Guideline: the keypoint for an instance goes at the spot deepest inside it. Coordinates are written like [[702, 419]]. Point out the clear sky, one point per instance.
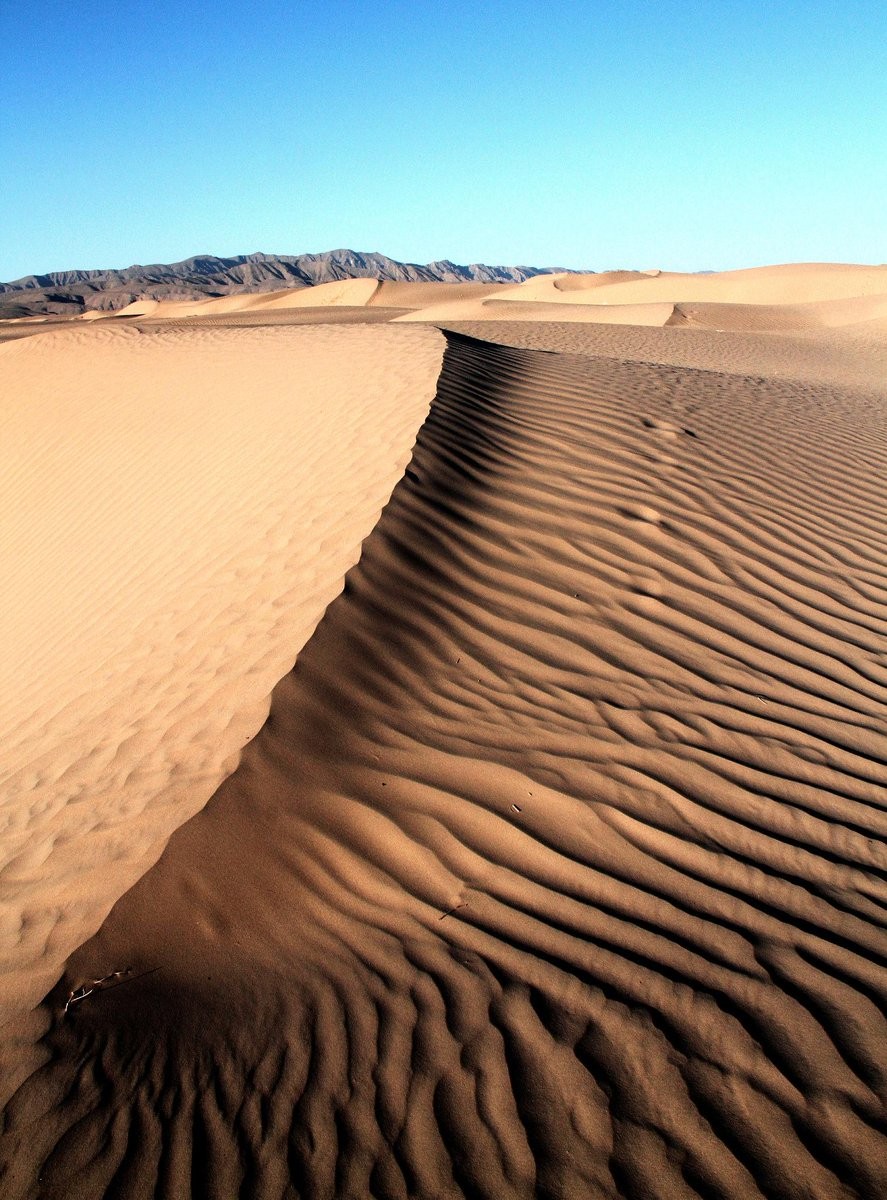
[[706, 134]]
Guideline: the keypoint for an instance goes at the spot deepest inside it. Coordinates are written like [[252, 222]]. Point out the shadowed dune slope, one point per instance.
[[557, 867], [854, 359]]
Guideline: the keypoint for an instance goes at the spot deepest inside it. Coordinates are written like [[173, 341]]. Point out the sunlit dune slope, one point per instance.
[[557, 869], [394, 294], [511, 309], [176, 510], [792, 283], [346, 291], [767, 299]]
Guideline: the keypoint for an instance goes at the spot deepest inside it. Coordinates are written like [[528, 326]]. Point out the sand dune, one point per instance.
[[175, 518], [557, 868], [350, 292], [420, 295], [794, 283], [511, 309], [779, 318], [768, 299], [581, 283], [853, 357], [346, 291]]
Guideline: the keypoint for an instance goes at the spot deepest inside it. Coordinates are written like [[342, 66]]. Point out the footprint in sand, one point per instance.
[[649, 586], [667, 429]]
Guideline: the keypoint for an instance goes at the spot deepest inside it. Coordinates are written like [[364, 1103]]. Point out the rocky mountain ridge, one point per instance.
[[205, 276]]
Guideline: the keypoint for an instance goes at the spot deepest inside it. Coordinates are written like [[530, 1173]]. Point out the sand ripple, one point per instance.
[[557, 869]]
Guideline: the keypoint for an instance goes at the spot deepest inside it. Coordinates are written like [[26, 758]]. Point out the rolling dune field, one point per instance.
[[557, 867]]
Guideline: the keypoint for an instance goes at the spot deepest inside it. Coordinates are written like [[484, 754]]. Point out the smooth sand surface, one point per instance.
[[557, 868], [421, 295], [771, 299], [177, 511], [348, 293], [792, 283], [511, 308]]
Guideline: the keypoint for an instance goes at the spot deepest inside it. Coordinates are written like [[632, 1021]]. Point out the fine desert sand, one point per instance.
[[445, 741]]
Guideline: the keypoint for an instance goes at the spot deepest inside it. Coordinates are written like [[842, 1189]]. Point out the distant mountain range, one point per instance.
[[67, 293]]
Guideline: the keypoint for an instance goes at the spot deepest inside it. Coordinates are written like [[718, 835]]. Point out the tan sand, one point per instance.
[[853, 356], [353, 292], [350, 292], [420, 295], [511, 309], [801, 283], [347, 291], [775, 299], [175, 517], [558, 867]]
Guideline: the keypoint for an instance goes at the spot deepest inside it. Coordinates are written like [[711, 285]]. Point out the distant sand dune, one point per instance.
[[557, 869], [581, 283], [420, 295], [780, 318], [511, 309], [347, 291], [853, 356], [768, 299], [794, 283]]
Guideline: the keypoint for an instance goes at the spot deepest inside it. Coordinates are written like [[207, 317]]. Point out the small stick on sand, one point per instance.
[[80, 993], [449, 911], [105, 984]]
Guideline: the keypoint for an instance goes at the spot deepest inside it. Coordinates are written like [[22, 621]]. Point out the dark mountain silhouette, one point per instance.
[[206, 276]]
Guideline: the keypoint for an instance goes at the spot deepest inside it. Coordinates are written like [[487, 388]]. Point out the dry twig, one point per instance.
[[86, 989]]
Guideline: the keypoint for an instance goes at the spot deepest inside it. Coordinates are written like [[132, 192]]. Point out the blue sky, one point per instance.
[[689, 136]]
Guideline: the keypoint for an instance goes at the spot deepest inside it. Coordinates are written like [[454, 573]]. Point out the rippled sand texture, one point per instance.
[[557, 867]]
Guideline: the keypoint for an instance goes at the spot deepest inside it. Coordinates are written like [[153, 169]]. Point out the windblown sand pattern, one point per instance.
[[557, 869]]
